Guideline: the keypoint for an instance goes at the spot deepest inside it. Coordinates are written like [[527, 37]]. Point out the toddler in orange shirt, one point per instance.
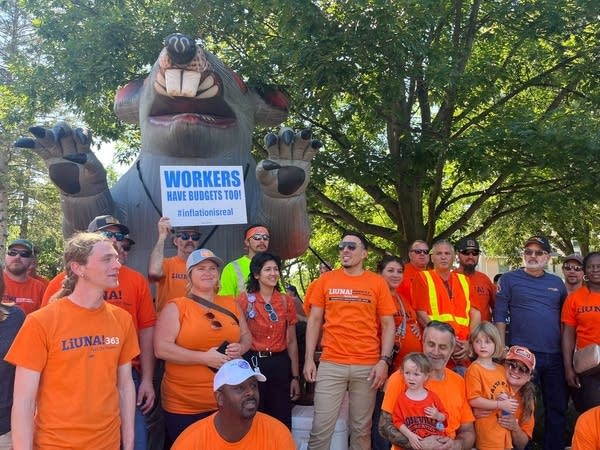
[[418, 412]]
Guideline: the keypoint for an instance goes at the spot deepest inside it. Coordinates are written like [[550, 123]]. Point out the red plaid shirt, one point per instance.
[[268, 335]]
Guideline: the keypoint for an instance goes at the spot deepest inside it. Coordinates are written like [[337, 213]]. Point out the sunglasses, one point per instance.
[[530, 252], [21, 253], [419, 251], [470, 252], [575, 268], [513, 365], [346, 244], [214, 323], [271, 312], [184, 235], [261, 237], [116, 234]]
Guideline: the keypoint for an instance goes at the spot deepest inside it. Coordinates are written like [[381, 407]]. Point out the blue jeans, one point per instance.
[[550, 377], [139, 427]]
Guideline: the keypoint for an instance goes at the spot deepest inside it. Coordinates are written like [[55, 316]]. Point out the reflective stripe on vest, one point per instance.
[[241, 285], [433, 303]]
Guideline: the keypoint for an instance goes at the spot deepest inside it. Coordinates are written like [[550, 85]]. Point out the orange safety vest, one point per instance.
[[458, 319]]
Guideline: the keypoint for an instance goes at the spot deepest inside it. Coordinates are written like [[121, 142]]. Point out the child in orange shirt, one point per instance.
[[418, 412], [488, 389]]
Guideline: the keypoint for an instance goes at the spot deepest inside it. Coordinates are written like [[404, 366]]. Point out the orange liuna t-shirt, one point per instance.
[[77, 351]]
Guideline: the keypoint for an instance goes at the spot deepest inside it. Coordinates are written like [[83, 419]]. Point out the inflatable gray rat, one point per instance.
[[192, 111]]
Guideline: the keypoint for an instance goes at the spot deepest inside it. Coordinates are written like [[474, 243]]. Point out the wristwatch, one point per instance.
[[387, 359]]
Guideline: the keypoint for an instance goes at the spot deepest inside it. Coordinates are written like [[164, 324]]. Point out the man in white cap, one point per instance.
[[572, 269], [237, 424]]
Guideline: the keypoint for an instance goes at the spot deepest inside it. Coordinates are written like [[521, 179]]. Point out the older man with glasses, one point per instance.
[[572, 269], [170, 273], [354, 303], [418, 259], [533, 298], [235, 274], [21, 289]]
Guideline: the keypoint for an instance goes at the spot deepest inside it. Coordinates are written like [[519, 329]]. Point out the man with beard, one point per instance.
[[170, 273], [439, 341], [235, 274], [237, 424], [534, 298], [21, 289], [572, 268], [485, 291], [354, 303]]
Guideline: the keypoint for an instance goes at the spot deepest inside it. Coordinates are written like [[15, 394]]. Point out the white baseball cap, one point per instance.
[[235, 372]]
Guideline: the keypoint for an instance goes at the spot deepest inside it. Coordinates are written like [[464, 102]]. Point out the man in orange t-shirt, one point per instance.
[[418, 257], [485, 292], [133, 295], [438, 342], [237, 424], [169, 273], [352, 302], [21, 289]]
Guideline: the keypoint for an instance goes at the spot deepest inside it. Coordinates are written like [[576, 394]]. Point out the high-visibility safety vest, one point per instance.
[[458, 319]]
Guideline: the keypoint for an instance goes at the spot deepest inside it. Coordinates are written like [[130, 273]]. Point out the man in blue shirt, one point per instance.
[[533, 298]]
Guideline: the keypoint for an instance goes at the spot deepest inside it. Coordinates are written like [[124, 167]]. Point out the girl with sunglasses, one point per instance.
[[196, 335], [271, 317]]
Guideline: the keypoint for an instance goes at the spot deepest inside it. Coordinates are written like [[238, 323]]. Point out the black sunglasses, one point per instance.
[[575, 268], [347, 244], [272, 314], [470, 252], [517, 367], [214, 323], [261, 237], [185, 236], [419, 251], [116, 234], [21, 253]]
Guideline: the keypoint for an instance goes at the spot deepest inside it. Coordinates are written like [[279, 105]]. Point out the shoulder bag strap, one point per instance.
[[212, 305]]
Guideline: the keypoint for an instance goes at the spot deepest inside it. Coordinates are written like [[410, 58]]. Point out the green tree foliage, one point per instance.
[[439, 118]]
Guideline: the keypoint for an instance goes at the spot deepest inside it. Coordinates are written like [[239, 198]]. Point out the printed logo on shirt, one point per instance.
[[178, 276], [98, 342], [11, 299], [349, 295], [113, 295], [587, 308], [553, 289]]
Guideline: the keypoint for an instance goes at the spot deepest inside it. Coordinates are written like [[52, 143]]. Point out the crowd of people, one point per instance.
[[428, 355]]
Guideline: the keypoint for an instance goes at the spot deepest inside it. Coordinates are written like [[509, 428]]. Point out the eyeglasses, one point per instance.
[[272, 314], [470, 252], [530, 252], [21, 253], [575, 268], [347, 244], [214, 323], [420, 251], [513, 365], [184, 235], [261, 237], [116, 234]]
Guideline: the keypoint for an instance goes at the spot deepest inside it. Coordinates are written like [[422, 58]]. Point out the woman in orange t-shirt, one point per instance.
[[271, 317], [580, 317], [195, 336]]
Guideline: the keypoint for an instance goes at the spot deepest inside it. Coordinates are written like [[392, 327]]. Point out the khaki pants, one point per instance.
[[333, 380]]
